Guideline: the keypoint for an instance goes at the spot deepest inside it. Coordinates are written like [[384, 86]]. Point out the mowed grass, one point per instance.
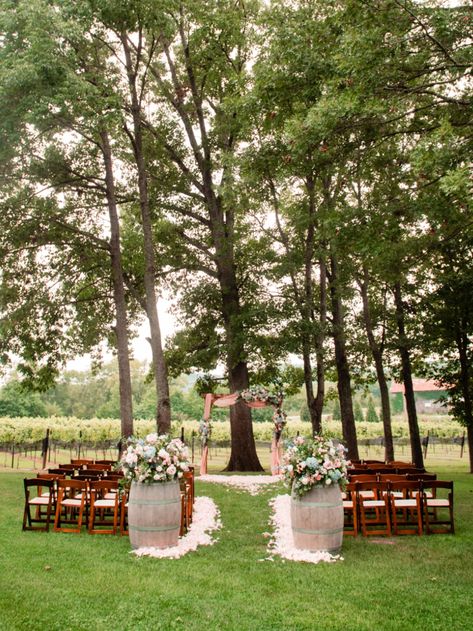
[[52, 581]]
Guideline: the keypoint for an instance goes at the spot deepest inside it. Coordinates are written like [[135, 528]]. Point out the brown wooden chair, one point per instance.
[[40, 500], [61, 471], [124, 511], [350, 510], [79, 462], [405, 502], [71, 504], [365, 477], [374, 509], [104, 503], [437, 501], [97, 466], [68, 467]]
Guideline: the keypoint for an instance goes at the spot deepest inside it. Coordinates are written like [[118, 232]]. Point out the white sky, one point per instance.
[[140, 346]]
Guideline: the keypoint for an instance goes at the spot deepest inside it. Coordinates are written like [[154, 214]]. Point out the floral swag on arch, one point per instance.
[[256, 397]]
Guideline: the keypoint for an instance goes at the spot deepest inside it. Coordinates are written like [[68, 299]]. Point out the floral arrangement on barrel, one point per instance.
[[314, 462], [205, 431], [156, 458]]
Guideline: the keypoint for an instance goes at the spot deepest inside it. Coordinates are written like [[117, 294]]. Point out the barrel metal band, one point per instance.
[[328, 531], [153, 528], [153, 502]]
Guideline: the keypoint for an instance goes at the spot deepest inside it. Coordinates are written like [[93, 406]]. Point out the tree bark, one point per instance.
[[341, 360], [243, 456], [121, 327], [403, 346], [462, 346], [319, 349], [378, 361], [163, 411]]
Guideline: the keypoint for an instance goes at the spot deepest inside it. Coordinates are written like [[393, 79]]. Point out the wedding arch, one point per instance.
[[253, 398]]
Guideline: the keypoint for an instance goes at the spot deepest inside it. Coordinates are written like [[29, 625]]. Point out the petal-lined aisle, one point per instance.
[[206, 520], [250, 483]]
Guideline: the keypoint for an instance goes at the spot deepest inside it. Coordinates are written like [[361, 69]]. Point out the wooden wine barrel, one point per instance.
[[317, 519], [154, 514]]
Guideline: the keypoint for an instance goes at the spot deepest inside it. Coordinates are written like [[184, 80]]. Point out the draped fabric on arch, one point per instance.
[[225, 401]]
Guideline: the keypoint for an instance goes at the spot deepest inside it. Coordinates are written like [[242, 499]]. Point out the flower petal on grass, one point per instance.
[[251, 483], [206, 519], [282, 541]]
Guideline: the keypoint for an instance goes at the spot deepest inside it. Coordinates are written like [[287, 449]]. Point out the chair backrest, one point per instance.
[[103, 485], [114, 475], [405, 485], [362, 477], [373, 462], [382, 469], [85, 474], [99, 467], [51, 476], [352, 472], [437, 484], [422, 476], [61, 471], [112, 462], [391, 477], [81, 461], [38, 484], [68, 467]]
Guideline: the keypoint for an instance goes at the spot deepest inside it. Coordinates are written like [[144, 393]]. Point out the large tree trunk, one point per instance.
[[403, 346], [163, 412], [121, 327], [462, 346], [243, 456], [378, 361], [341, 361]]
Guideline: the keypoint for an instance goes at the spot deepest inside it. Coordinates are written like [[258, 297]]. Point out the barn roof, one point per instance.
[[420, 385]]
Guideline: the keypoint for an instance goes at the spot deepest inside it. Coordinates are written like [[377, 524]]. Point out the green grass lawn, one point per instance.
[[52, 581]]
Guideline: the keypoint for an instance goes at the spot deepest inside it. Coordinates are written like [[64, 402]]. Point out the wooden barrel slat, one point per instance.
[[317, 519], [154, 514]]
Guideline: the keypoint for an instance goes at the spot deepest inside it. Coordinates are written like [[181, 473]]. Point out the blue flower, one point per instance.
[[311, 463]]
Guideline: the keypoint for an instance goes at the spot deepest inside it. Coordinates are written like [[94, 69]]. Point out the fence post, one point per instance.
[[44, 448], [193, 440], [426, 443], [462, 445]]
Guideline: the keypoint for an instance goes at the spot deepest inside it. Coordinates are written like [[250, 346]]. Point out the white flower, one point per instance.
[[162, 453], [152, 438], [171, 470], [328, 481]]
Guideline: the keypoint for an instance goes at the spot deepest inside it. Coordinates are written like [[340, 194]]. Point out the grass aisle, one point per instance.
[[55, 581]]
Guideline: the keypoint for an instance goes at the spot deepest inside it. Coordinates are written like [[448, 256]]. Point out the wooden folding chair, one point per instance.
[[374, 510], [71, 504], [104, 503], [36, 498], [350, 510], [437, 499], [405, 502], [124, 493]]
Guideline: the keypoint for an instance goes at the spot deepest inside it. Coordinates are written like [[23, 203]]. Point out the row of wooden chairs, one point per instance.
[[399, 507], [99, 503]]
